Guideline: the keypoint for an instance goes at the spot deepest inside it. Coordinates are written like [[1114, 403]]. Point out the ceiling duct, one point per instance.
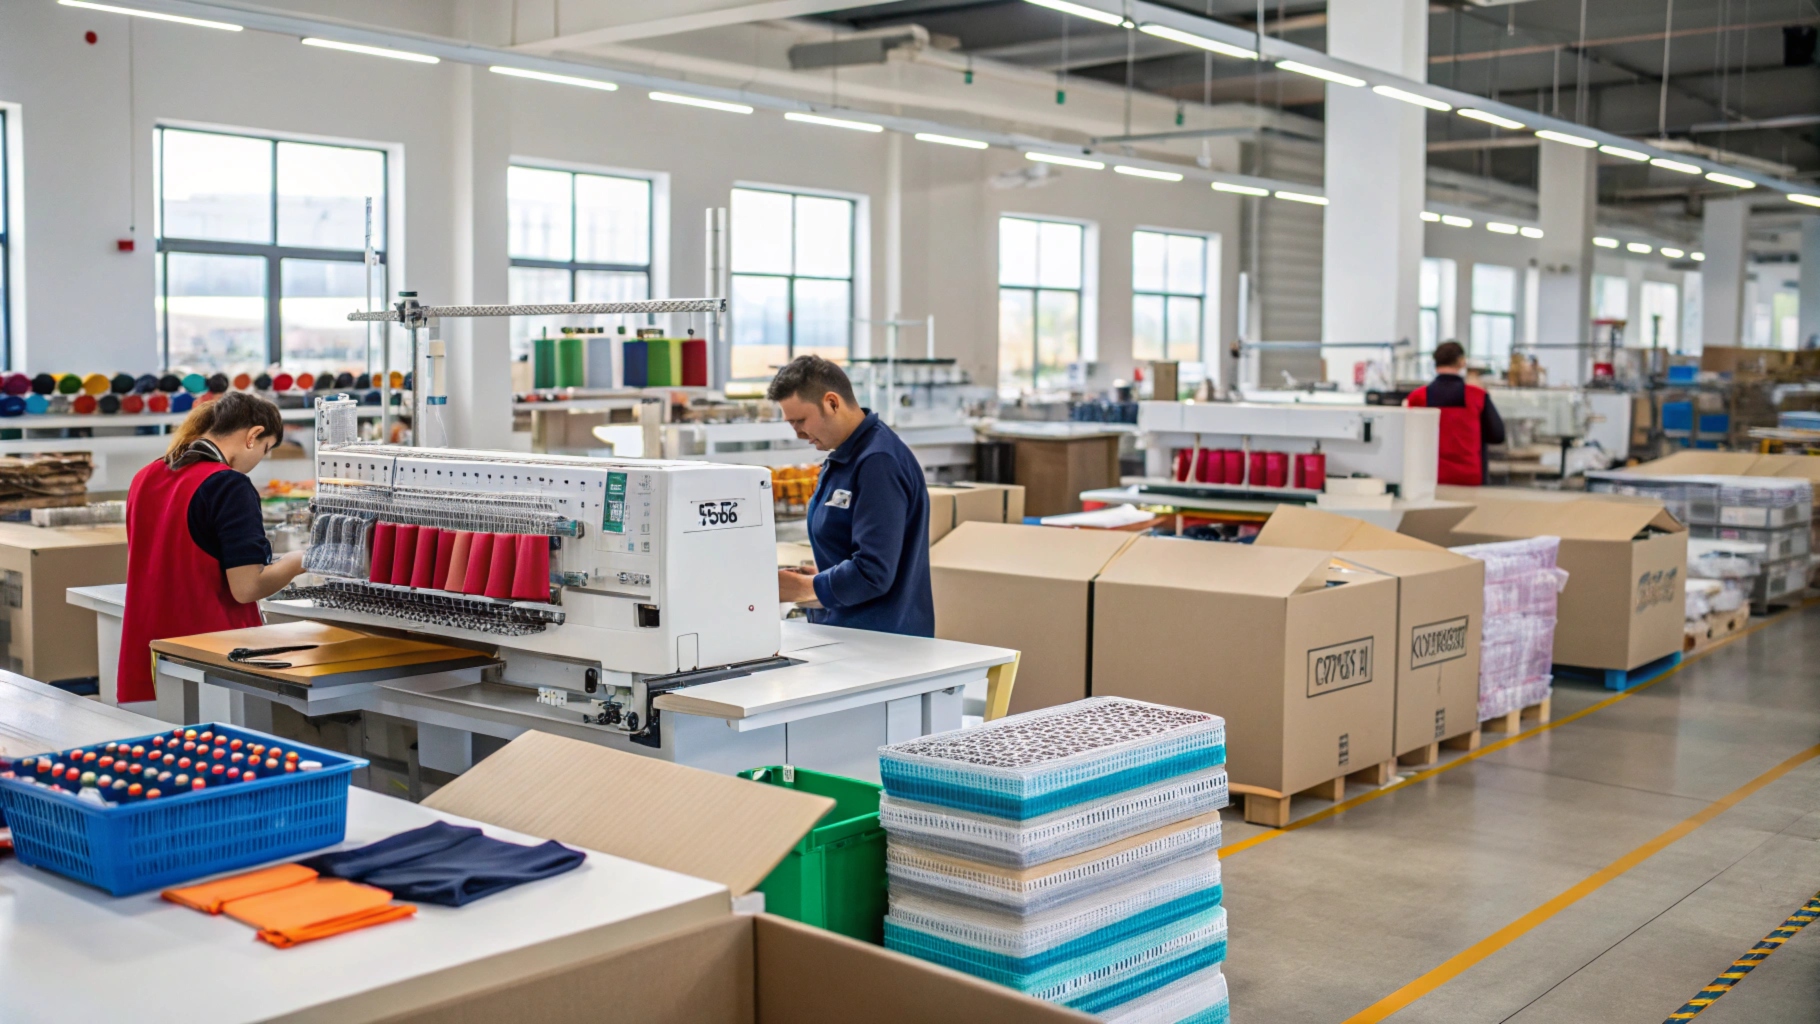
[[871, 47]]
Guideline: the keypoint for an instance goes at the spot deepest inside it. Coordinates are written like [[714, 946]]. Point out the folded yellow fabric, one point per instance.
[[209, 896], [316, 910]]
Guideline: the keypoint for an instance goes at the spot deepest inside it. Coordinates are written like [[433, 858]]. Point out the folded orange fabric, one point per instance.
[[316, 910], [209, 896]]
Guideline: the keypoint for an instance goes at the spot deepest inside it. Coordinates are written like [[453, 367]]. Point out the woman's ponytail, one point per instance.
[[229, 414]]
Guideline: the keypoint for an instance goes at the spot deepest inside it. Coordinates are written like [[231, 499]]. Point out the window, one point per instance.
[[1661, 316], [1610, 297], [261, 250], [1494, 312], [1168, 295], [6, 249], [1039, 302], [1435, 299], [792, 279], [575, 237]]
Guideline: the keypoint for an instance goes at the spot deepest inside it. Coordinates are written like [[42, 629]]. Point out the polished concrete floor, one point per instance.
[[1328, 919]]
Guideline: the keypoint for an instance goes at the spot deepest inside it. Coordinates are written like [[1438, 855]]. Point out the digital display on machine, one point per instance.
[[614, 519]]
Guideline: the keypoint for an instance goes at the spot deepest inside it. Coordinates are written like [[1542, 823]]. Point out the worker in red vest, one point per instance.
[[1469, 422], [197, 558]]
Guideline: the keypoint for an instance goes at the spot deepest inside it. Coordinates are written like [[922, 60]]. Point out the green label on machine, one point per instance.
[[614, 521]]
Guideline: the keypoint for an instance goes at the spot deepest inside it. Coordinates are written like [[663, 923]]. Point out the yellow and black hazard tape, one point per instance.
[[1741, 967]]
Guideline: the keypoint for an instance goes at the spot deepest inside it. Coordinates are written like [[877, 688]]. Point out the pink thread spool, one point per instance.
[[403, 552], [1255, 477], [1276, 469], [531, 575], [1207, 468], [458, 562], [385, 540], [445, 556], [1184, 462], [423, 563], [1311, 471], [504, 563], [1232, 462], [480, 559]]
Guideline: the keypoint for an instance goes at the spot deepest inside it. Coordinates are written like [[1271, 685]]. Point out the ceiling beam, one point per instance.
[[628, 21], [1648, 37]]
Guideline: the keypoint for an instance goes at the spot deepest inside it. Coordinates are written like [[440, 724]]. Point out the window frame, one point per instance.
[[574, 266], [857, 210], [1476, 313], [6, 242], [1207, 288], [273, 253], [1086, 306]]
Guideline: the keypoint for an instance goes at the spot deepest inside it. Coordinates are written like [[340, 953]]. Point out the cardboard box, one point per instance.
[[1626, 560], [1055, 470], [1029, 588], [1278, 641], [42, 635], [1440, 614], [746, 970], [953, 504], [737, 969]]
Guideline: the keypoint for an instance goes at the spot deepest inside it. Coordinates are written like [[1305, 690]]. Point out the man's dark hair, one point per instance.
[[811, 377], [1449, 353]]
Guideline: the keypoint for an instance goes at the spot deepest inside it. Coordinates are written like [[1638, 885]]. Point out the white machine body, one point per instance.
[[673, 569], [1399, 445]]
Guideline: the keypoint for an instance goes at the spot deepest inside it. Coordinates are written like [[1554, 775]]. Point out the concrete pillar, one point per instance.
[[1567, 200], [1809, 311], [479, 350], [1723, 234], [1376, 159]]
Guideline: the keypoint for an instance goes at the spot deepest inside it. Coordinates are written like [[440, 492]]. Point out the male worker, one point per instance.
[[1469, 422], [869, 516]]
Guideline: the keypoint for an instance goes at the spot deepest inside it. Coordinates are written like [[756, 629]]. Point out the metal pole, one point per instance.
[[367, 263], [929, 334], [720, 361]]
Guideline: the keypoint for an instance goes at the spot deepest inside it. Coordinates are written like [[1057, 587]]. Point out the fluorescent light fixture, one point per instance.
[[1176, 35], [1628, 154], [1640, 248], [1455, 222], [371, 51], [1500, 228], [1082, 12], [1243, 190], [1321, 73], [697, 101], [1697, 257], [949, 140], [1530, 232], [1300, 197], [1145, 172], [1563, 137], [155, 15], [1796, 197], [1490, 118], [1432, 218], [834, 122], [1730, 179], [1674, 165], [1410, 97], [1065, 161], [1673, 254], [545, 76], [1605, 243]]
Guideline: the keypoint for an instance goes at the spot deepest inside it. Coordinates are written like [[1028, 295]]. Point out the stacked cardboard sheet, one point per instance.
[[1522, 588], [1071, 853]]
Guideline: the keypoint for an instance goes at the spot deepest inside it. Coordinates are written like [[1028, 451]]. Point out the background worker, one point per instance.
[[1469, 422], [197, 558], [869, 516]]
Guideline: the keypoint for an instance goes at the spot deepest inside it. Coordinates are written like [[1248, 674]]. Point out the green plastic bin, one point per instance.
[[835, 878]]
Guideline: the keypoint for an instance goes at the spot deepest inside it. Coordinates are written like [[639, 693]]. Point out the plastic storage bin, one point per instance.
[[153, 844], [835, 878], [1779, 544]]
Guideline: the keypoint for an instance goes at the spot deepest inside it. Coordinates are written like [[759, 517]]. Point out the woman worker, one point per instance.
[[197, 558]]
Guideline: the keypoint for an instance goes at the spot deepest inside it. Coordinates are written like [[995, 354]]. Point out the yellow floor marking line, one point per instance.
[[1460, 962], [1747, 963], [1423, 776]]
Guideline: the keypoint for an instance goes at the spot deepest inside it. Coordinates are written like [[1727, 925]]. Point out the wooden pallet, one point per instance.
[[1271, 808], [1714, 627], [1421, 757], [1512, 722]]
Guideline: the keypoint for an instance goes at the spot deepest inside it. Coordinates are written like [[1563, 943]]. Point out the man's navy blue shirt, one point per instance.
[[869, 526]]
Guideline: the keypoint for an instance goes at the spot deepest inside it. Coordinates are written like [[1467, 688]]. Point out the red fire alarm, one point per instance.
[[124, 245]]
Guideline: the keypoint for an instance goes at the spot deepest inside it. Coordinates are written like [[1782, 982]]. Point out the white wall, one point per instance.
[[87, 179]]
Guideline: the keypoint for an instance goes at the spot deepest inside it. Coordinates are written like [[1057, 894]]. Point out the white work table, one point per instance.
[[72, 953], [108, 602], [1263, 504]]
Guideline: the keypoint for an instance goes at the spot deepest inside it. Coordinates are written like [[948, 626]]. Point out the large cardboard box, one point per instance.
[[1029, 588], [733, 969], [42, 635], [1440, 614], [1281, 643], [1626, 560]]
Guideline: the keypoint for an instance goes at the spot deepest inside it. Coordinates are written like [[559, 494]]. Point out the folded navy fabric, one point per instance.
[[447, 864]]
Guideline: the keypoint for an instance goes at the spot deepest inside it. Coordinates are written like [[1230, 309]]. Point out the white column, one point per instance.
[[479, 350], [1376, 160], [1809, 336], [1722, 275], [1567, 200]]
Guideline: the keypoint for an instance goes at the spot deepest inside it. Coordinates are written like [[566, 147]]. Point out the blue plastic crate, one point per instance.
[[153, 844]]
